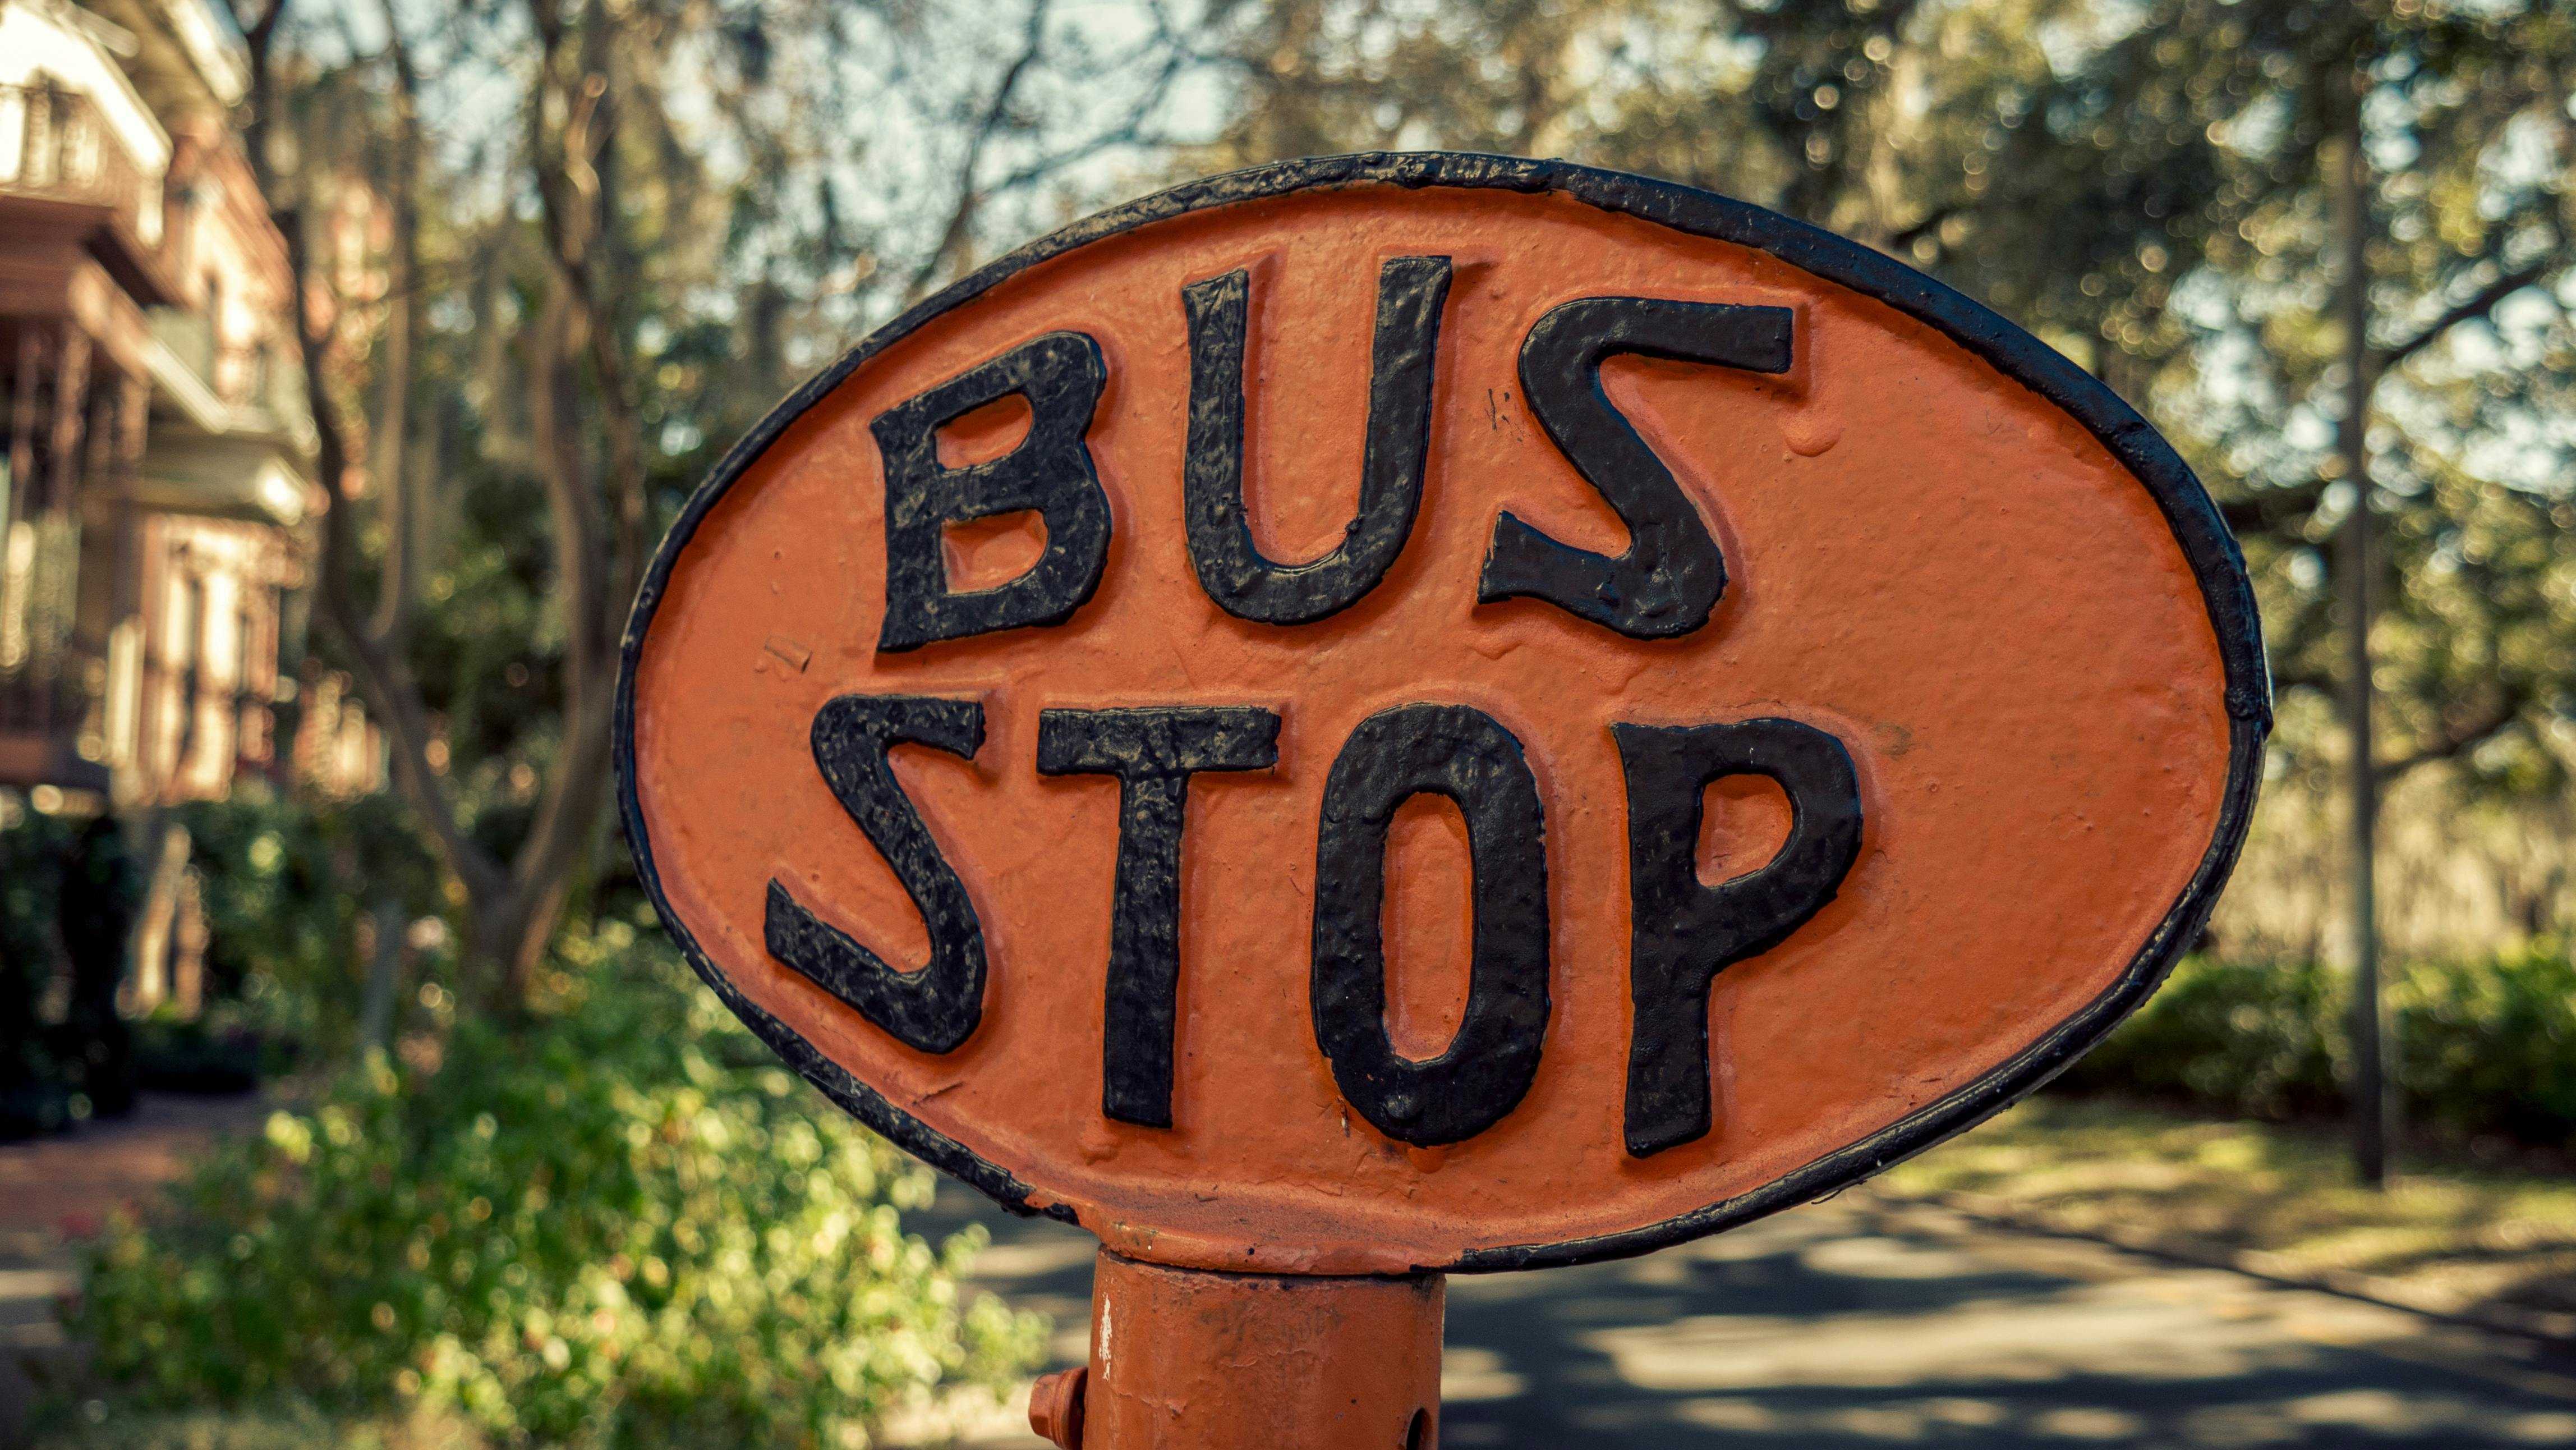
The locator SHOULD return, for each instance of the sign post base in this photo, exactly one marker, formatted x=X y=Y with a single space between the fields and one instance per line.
x=1212 y=1361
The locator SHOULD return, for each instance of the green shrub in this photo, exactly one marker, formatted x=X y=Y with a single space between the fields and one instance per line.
x=2489 y=1046
x=618 y=1224
x=284 y=883
x=2480 y=1047
x=32 y=1097
x=2250 y=1038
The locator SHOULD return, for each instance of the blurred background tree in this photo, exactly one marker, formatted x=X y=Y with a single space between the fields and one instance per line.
x=2148 y=188
x=557 y=255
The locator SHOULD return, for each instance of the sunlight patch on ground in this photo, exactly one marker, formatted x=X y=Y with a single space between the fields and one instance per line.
x=1959 y=1419
x=2375 y=1413
x=2448 y=1239
x=1873 y=1257
x=2137 y=1330
x=1469 y=1375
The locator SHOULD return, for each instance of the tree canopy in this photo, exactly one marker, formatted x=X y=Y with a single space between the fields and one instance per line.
x=562 y=252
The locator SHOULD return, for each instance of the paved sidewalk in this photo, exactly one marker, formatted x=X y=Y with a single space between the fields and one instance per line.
x=1870 y=1322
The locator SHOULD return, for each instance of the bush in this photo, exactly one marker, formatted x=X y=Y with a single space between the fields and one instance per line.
x=618 y=1224
x=2247 y=1038
x=280 y=883
x=2480 y=1047
x=2489 y=1046
x=284 y=883
x=32 y=846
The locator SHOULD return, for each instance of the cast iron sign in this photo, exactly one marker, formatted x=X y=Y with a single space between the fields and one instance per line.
x=1438 y=712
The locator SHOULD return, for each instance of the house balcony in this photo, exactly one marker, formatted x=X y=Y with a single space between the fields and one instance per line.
x=63 y=168
x=240 y=392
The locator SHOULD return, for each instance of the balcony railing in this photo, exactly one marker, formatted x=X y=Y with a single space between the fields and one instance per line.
x=261 y=384
x=55 y=144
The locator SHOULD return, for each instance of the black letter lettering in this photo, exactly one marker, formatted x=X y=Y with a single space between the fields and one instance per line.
x=1670 y=577
x=1060 y=375
x=1683 y=933
x=1466 y=755
x=936 y=1008
x=1153 y=753
x=1410 y=292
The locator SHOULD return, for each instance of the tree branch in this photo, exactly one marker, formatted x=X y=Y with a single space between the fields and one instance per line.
x=2272 y=507
x=961 y=218
x=596 y=561
x=259 y=37
x=2457 y=739
x=2475 y=306
x=384 y=678
x=1126 y=132
x=398 y=590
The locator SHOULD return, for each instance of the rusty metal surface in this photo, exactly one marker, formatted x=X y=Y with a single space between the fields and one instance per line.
x=1941 y=547
x=1183 y=1359
x=1055 y=1407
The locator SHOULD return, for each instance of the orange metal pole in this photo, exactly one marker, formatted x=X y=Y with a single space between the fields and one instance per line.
x=1186 y=1359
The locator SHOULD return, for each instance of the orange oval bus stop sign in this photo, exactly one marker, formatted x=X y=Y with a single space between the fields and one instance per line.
x=1405 y=713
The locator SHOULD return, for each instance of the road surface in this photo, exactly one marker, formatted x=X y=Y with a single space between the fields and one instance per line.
x=1864 y=1322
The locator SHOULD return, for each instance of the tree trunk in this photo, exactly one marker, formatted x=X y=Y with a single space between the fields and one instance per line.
x=510 y=905
x=2370 y=1125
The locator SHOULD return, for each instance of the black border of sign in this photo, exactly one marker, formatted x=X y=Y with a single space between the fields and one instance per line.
x=2206 y=543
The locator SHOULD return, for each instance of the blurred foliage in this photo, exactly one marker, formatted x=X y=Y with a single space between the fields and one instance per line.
x=2255 y=1038
x=285 y=883
x=621 y=1224
x=580 y=275
x=32 y=849
x=2489 y=1045
x=267 y=1427
x=2483 y=1047
x=2144 y=185
x=213 y=1053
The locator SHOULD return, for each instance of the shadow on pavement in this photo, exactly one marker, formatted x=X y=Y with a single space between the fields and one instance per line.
x=1862 y=1322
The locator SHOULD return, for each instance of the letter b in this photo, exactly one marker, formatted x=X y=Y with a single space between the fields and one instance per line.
x=1061 y=375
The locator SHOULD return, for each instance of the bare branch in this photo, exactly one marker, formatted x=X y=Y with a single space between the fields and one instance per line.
x=2477 y=305
x=1130 y=131
x=596 y=561
x=961 y=218
x=259 y=36
x=2271 y=508
x=384 y=677
x=398 y=590
x=2458 y=738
